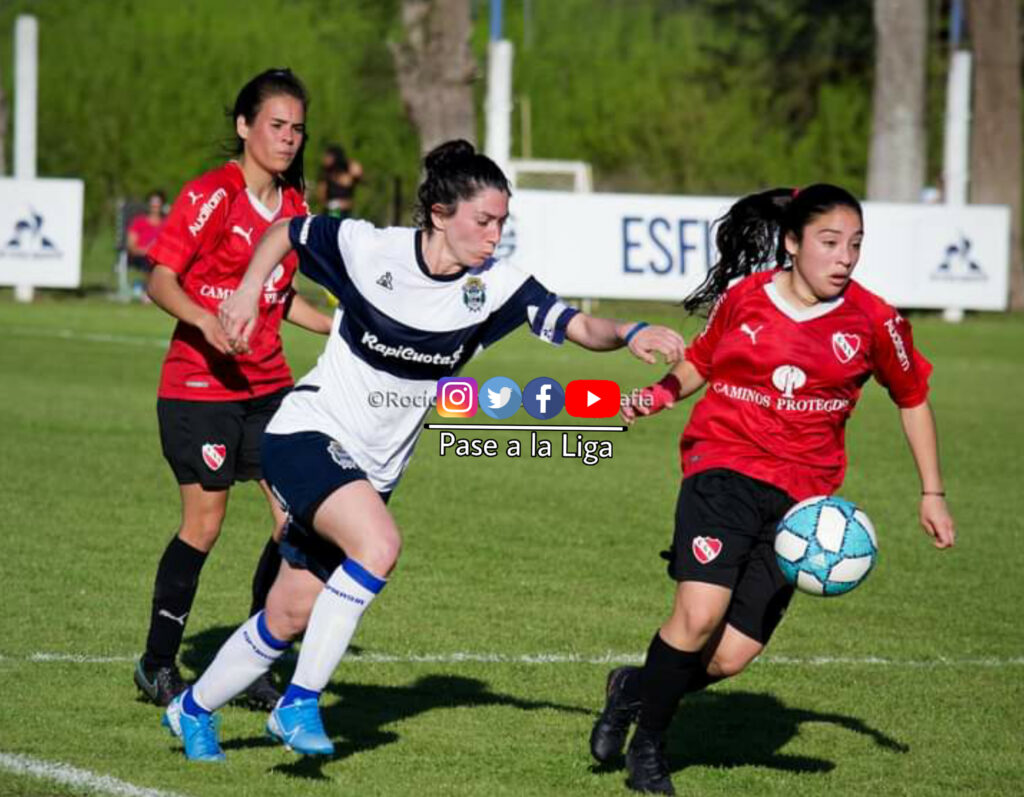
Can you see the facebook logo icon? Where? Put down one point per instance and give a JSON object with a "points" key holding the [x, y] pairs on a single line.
{"points": [[543, 398]]}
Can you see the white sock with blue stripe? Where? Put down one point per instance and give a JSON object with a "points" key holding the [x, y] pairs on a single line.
{"points": [[336, 614], [246, 655]]}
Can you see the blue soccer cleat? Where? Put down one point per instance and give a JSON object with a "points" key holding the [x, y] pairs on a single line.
{"points": [[299, 728], [199, 734]]}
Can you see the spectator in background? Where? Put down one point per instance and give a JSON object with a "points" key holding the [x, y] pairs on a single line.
{"points": [[336, 185], [141, 234]]}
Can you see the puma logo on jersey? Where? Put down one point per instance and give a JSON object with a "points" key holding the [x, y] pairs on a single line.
{"points": [[247, 234], [179, 620], [194, 197], [746, 330]]}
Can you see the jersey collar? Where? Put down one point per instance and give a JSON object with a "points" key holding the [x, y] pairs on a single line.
{"points": [[808, 314], [422, 263], [266, 213]]}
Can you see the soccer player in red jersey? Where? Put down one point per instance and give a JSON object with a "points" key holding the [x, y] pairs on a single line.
{"points": [[789, 343], [215, 399]]}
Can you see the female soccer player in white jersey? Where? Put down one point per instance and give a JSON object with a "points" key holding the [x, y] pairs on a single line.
{"points": [[213, 401], [415, 305], [784, 354]]}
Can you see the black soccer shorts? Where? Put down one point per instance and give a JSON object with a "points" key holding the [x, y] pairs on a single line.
{"points": [[724, 535], [215, 443]]}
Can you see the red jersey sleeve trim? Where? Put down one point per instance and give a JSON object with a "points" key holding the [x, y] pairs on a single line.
{"points": [[913, 398]]}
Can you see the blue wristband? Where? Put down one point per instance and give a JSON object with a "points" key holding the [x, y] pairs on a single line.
{"points": [[632, 333]]}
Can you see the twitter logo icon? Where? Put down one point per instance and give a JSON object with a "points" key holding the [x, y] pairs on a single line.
{"points": [[500, 397]]}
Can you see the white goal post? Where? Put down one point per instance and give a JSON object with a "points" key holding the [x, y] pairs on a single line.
{"points": [[553, 175]]}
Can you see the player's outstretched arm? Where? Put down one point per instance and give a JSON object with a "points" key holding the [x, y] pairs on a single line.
{"points": [[919, 427], [238, 313], [167, 294], [682, 381], [643, 340]]}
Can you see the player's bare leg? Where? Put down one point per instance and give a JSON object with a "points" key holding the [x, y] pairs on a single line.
{"points": [[355, 519]]}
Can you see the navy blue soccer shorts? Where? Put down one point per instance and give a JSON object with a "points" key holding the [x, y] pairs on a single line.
{"points": [[303, 469]]}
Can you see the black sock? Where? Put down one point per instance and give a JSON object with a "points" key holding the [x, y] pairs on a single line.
{"points": [[263, 578], [631, 685], [177, 579], [701, 680], [664, 680], [698, 681]]}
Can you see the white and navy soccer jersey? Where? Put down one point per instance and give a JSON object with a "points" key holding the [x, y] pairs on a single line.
{"points": [[397, 331]]}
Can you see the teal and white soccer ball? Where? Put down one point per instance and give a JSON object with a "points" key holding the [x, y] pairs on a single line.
{"points": [[825, 546]]}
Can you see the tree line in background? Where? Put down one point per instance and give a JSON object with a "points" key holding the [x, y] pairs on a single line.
{"points": [[663, 96]]}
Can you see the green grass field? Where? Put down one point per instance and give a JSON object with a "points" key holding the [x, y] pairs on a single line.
{"points": [[481, 669]]}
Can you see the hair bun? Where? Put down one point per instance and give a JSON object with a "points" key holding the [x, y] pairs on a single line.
{"points": [[448, 154]]}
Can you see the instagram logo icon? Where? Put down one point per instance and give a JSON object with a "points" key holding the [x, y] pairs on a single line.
{"points": [[456, 397]]}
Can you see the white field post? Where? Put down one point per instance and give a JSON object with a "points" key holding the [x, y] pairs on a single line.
{"points": [[498, 143], [582, 180], [124, 291], [26, 84], [956, 147]]}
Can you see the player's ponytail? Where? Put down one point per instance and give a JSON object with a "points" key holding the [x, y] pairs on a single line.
{"points": [[455, 171], [747, 239], [751, 236], [272, 83]]}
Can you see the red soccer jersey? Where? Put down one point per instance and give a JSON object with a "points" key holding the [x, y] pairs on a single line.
{"points": [[208, 240], [145, 231], [782, 382]]}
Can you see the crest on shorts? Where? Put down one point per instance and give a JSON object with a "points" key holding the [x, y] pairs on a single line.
{"points": [[473, 293], [340, 456], [706, 549], [214, 454], [845, 346]]}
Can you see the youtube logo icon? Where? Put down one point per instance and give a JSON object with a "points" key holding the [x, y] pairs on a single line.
{"points": [[592, 398]]}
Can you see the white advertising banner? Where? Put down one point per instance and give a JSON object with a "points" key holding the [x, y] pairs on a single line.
{"points": [[41, 232], [629, 246]]}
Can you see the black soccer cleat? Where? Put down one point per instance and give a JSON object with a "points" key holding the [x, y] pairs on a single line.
{"points": [[161, 685], [620, 711], [647, 765], [261, 695]]}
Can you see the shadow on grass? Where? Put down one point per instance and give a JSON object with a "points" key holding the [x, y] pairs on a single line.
{"points": [[740, 729], [357, 723]]}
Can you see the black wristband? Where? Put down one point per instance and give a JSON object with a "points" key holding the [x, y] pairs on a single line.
{"points": [[940, 493]]}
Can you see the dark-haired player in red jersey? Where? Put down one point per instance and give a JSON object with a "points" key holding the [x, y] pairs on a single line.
{"points": [[214, 400], [785, 353]]}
